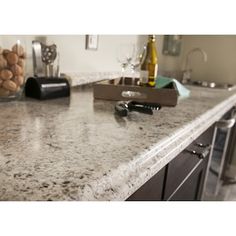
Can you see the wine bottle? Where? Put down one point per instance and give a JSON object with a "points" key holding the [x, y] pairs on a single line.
{"points": [[149, 66]]}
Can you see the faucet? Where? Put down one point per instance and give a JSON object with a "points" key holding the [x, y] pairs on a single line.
{"points": [[187, 71]]}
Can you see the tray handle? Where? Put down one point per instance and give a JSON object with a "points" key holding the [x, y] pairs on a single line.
{"points": [[133, 94]]}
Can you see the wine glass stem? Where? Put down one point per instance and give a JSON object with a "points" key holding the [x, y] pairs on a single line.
{"points": [[133, 75], [123, 74]]}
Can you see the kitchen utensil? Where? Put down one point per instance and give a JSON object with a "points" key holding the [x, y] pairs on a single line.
{"points": [[49, 54], [57, 73], [47, 88], [122, 108], [37, 59]]}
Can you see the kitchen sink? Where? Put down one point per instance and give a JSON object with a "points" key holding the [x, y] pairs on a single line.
{"points": [[212, 85]]}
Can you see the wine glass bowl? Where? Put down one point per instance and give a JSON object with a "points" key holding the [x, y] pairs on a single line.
{"points": [[125, 54], [137, 60]]}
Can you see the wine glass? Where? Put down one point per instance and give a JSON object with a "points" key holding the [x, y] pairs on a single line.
{"points": [[125, 53], [137, 60]]}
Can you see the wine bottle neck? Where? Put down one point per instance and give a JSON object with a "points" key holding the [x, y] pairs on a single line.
{"points": [[151, 38]]}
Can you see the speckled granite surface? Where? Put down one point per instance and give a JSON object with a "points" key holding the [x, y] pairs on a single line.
{"points": [[77, 149], [79, 78]]}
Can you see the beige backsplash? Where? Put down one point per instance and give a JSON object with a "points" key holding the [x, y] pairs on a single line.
{"points": [[221, 51]]}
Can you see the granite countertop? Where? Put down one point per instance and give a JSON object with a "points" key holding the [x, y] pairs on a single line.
{"points": [[77, 149]]}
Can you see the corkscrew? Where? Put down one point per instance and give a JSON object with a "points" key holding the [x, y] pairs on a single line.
{"points": [[122, 108]]}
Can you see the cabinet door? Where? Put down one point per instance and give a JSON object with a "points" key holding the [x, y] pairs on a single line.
{"points": [[191, 188], [181, 179], [152, 190], [181, 168], [177, 170]]}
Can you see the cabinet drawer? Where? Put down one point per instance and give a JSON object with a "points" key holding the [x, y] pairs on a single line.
{"points": [[191, 189], [179, 168], [152, 190]]}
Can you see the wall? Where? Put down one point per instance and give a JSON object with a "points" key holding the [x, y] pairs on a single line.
{"points": [[166, 63], [74, 57], [221, 51]]}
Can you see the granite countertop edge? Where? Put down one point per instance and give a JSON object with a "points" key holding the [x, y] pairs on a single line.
{"points": [[148, 164]]}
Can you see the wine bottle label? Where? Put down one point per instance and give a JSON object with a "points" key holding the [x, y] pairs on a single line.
{"points": [[143, 76]]}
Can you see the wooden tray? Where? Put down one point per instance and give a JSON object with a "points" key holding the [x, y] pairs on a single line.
{"points": [[118, 90]]}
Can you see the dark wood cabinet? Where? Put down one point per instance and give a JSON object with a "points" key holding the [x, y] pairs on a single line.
{"points": [[186, 173], [177, 170], [183, 177], [191, 188], [152, 190]]}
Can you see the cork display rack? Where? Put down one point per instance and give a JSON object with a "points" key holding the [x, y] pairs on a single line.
{"points": [[128, 89]]}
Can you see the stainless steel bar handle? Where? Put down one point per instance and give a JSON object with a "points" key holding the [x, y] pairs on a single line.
{"points": [[233, 113], [224, 124], [222, 161], [209, 162]]}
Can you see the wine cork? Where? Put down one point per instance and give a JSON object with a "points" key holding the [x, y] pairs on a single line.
{"points": [[9, 85], [5, 52], [4, 92], [12, 58], [19, 80], [3, 62], [1, 81], [18, 49], [23, 56], [6, 74], [16, 70], [17, 89], [21, 62]]}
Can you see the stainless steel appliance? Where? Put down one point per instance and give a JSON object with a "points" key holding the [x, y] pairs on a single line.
{"points": [[47, 82], [222, 156]]}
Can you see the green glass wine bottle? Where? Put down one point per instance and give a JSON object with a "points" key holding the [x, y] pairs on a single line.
{"points": [[149, 67]]}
